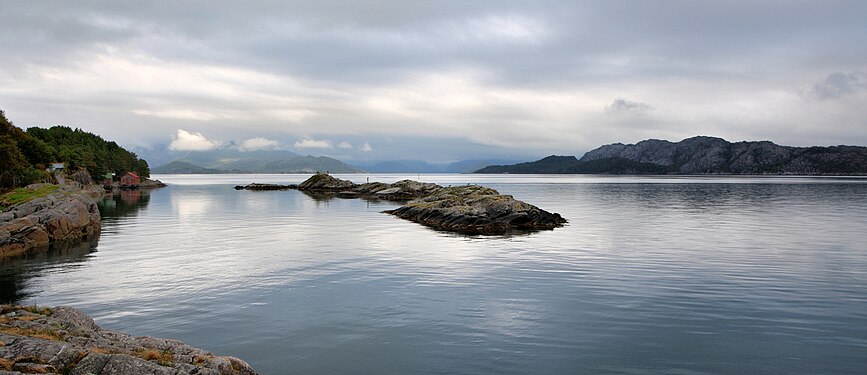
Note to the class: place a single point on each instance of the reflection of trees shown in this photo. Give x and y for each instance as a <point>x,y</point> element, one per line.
<point>123,203</point>
<point>16,272</point>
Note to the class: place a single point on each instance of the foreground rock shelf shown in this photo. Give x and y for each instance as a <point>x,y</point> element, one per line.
<point>467,209</point>
<point>64,340</point>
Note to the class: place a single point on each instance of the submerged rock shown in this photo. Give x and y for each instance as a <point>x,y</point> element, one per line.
<point>477,210</point>
<point>64,340</point>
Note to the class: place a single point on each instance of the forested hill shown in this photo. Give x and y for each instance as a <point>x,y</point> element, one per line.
<point>24,155</point>
<point>702,155</point>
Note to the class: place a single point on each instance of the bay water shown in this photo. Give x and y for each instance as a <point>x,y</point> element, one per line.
<point>686,275</point>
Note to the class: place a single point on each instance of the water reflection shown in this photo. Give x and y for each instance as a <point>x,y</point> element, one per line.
<point>121,204</point>
<point>17,273</point>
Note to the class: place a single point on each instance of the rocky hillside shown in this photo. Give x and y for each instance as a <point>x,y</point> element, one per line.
<point>64,340</point>
<point>708,155</point>
<point>701,155</point>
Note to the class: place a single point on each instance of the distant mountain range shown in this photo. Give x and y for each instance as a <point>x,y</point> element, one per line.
<point>229,160</point>
<point>233,160</point>
<point>418,166</point>
<point>701,155</point>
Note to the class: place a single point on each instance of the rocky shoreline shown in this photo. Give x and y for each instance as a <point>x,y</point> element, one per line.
<point>467,209</point>
<point>64,340</point>
<point>69,213</point>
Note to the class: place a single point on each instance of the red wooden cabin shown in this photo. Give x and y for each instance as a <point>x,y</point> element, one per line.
<point>130,179</point>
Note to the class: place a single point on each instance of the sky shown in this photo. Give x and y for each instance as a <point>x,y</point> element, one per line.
<point>437,80</point>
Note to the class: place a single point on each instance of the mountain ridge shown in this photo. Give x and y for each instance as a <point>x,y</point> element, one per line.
<point>702,155</point>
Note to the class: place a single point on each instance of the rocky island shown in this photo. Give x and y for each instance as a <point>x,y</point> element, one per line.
<point>467,209</point>
<point>64,340</point>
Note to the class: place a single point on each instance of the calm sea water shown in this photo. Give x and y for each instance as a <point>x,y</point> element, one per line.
<point>651,275</point>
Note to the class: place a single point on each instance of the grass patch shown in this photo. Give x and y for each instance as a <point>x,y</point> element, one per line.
<point>6,364</point>
<point>22,195</point>
<point>200,360</point>
<point>38,310</point>
<point>42,333</point>
<point>164,358</point>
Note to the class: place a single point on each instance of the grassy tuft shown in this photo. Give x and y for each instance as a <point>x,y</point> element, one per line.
<point>6,364</point>
<point>164,358</point>
<point>38,310</point>
<point>22,195</point>
<point>41,333</point>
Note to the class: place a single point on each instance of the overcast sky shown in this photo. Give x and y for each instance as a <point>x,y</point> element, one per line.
<point>437,80</point>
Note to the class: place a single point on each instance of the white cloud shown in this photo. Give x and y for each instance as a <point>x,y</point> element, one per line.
<point>192,141</point>
<point>313,143</point>
<point>365,147</point>
<point>258,143</point>
<point>344,144</point>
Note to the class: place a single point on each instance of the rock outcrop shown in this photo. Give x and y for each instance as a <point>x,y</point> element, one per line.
<point>477,210</point>
<point>325,184</point>
<point>64,340</point>
<point>70,213</point>
<point>467,209</point>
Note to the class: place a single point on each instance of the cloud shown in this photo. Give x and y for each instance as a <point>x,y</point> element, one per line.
<point>476,74</point>
<point>192,141</point>
<point>365,147</point>
<point>313,143</point>
<point>344,144</point>
<point>839,84</point>
<point>621,105</point>
<point>258,143</point>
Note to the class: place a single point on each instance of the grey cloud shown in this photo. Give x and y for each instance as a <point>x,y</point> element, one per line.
<point>839,84</point>
<point>621,105</point>
<point>518,66</point>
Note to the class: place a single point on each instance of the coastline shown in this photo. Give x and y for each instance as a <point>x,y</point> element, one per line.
<point>64,340</point>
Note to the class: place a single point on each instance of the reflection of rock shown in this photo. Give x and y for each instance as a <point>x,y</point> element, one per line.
<point>65,340</point>
<point>476,210</point>
<point>68,214</point>
<point>256,186</point>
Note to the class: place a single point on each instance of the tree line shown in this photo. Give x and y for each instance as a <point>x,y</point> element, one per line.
<point>25,155</point>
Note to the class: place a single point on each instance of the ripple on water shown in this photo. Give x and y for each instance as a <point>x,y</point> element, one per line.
<point>673,275</point>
